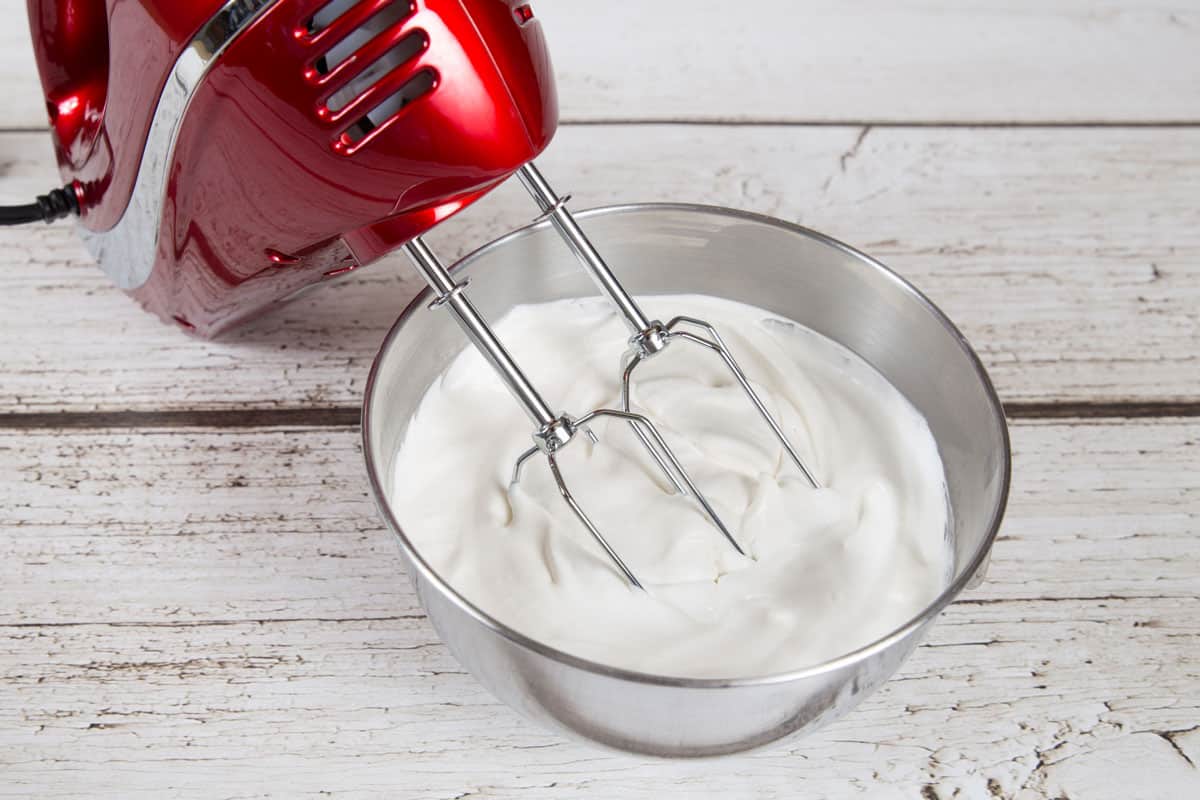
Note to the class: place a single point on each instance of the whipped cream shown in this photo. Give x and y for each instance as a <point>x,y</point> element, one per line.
<point>827,571</point>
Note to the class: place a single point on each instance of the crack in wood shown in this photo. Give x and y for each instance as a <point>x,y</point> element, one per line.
<point>1091,598</point>
<point>326,417</point>
<point>1169,738</point>
<point>350,416</point>
<point>203,623</point>
<point>1102,410</point>
<point>854,148</point>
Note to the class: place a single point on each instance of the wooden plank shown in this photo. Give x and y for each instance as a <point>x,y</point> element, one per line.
<point>1007,699</point>
<point>228,524</point>
<point>218,614</point>
<point>1071,259</point>
<point>810,61</point>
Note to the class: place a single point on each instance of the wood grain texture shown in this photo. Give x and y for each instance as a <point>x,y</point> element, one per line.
<point>219,614</point>
<point>1071,259</point>
<point>1008,701</point>
<point>811,61</point>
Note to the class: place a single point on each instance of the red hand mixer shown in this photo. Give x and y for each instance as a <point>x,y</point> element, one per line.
<point>224,155</point>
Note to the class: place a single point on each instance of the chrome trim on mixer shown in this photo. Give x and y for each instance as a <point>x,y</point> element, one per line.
<point>127,251</point>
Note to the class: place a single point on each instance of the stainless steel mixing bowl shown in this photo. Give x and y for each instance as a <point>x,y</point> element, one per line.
<point>802,275</point>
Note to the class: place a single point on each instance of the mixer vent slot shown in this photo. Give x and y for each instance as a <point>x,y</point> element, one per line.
<point>378,22</point>
<point>418,86</point>
<point>407,48</point>
<point>328,13</point>
<point>334,10</point>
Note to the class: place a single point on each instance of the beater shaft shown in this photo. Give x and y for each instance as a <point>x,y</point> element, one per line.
<point>555,208</point>
<point>452,295</point>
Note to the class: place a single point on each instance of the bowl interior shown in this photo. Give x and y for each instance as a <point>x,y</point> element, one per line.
<point>661,249</point>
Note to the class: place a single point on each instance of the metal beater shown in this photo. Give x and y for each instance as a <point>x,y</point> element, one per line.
<point>554,431</point>
<point>648,337</point>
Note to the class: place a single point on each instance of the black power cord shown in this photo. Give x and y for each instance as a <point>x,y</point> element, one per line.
<point>58,203</point>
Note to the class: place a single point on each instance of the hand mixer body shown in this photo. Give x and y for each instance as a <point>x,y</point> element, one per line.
<point>228,154</point>
<point>294,140</point>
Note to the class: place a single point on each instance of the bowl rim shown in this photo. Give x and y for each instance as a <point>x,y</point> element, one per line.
<point>931,610</point>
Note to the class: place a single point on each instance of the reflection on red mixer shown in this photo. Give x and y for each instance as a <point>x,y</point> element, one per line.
<point>226,154</point>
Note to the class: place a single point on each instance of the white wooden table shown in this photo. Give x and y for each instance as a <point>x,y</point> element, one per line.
<point>198,600</point>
